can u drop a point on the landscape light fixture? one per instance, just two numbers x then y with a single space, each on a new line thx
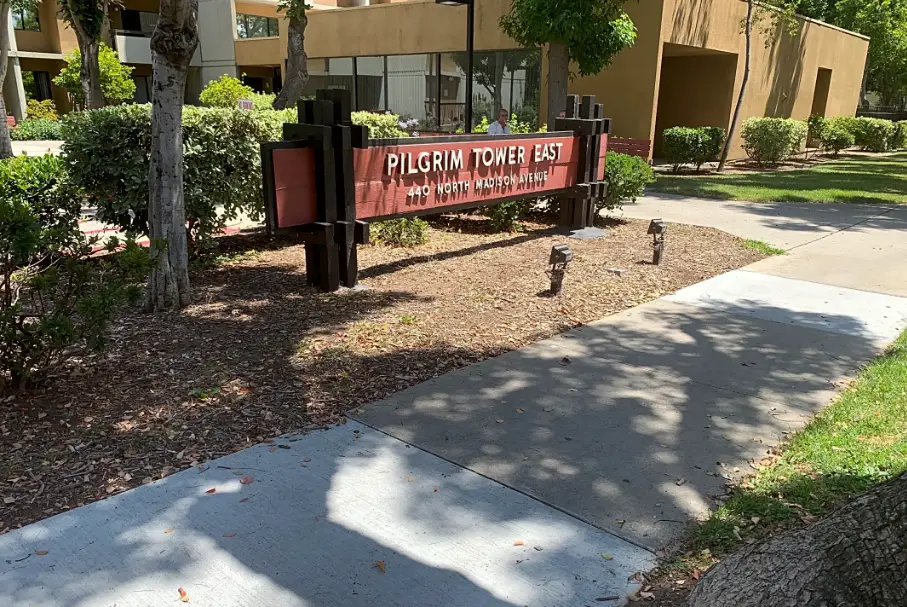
657 228
470 36
560 256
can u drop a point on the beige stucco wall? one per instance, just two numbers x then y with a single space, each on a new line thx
402 28
54 37
784 66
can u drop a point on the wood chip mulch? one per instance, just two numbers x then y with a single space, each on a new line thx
260 354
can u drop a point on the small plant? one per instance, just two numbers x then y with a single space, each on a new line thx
400 232
711 140
204 393
763 247
380 126
836 136
117 85
37 129
409 319
504 217
873 134
771 140
263 101
814 127
225 92
41 110
54 301
627 177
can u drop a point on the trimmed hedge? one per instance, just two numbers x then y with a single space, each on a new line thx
380 126
836 136
627 177
107 155
771 140
692 145
873 134
36 129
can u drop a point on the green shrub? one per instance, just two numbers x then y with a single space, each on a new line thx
117 85
53 302
627 177
263 101
407 232
899 137
504 217
107 153
771 140
225 92
41 110
814 125
679 145
692 145
380 126
835 136
711 141
873 134
37 129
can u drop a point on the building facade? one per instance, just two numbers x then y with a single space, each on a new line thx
408 57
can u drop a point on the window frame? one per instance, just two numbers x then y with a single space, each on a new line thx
243 21
23 24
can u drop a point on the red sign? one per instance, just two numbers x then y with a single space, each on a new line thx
404 178
294 187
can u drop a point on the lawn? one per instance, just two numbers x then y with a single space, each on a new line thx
871 180
856 442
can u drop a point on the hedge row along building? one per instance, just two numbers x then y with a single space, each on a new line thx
409 57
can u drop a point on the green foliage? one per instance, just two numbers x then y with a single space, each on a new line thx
763 247
53 302
899 137
380 126
873 134
408 232
627 177
692 145
504 217
225 92
836 135
116 84
593 31
814 125
263 101
41 110
771 140
107 152
516 125
37 129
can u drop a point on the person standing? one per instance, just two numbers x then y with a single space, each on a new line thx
499 126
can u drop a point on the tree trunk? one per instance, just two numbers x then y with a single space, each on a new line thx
748 33
172 44
558 74
297 69
855 557
498 85
6 145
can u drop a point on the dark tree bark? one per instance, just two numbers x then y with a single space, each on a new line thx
172 44
857 557
6 145
558 76
297 68
748 34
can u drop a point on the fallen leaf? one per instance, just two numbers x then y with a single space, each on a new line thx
518 410
183 596
548 409
41 552
211 490
518 543
409 479
500 421
607 556
646 595
231 534
307 459
696 574
756 520
436 489
245 499
168 530
272 449
610 597
246 480
381 566
680 481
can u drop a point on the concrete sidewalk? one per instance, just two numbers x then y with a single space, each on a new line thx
304 522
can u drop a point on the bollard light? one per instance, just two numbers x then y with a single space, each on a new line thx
560 256
658 229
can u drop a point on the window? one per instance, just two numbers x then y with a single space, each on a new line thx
255 26
36 85
139 21
26 19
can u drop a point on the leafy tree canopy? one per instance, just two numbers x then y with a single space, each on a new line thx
116 84
593 31
89 14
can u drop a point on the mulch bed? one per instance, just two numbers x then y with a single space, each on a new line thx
261 354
